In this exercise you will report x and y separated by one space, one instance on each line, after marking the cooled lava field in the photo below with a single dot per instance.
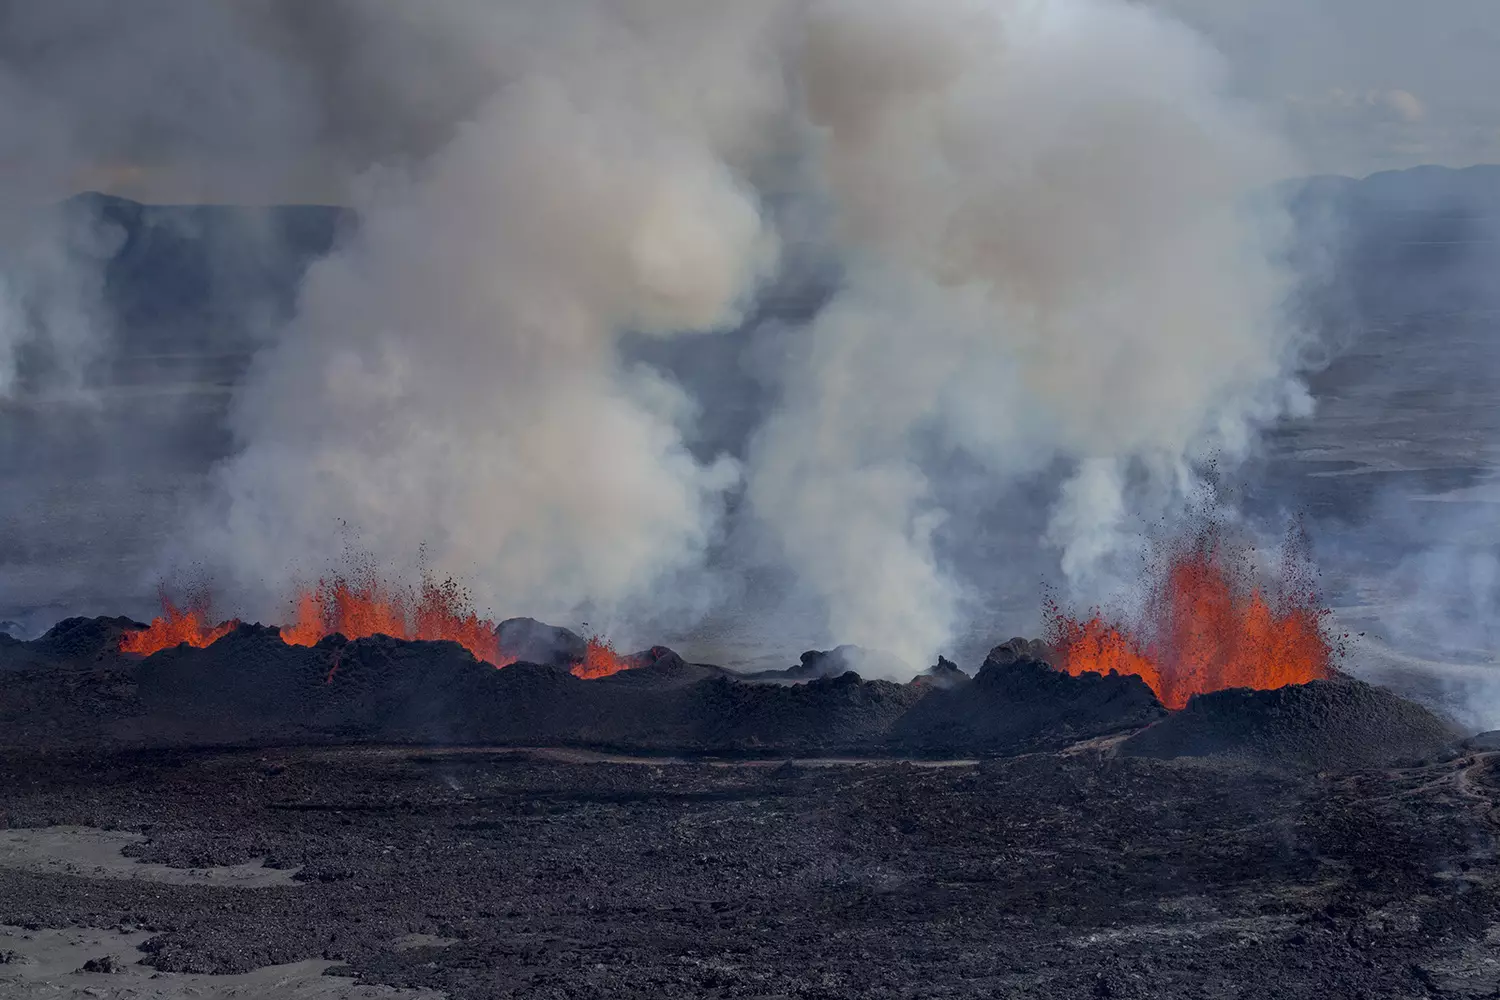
391 818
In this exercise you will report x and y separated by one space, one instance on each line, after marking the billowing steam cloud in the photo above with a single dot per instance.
1034 212
1038 212
452 381
1042 212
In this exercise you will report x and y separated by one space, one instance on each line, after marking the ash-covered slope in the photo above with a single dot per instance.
1329 725
829 713
73 642
68 686
1017 702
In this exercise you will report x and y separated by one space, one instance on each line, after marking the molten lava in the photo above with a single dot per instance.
1207 626
365 607
600 660
176 626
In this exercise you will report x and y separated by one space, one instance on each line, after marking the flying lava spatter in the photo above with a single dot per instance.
1208 624
189 624
365 606
600 660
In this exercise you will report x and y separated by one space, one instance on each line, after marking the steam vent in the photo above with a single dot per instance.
773 500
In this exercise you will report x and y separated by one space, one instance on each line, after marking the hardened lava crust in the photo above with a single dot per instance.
416 819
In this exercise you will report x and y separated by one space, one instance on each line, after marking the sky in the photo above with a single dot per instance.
290 101
1366 85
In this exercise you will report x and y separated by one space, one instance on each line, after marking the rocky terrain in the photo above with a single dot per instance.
486 874
391 818
73 688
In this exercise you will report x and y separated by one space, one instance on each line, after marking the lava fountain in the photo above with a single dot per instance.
1208 623
191 624
365 606
600 660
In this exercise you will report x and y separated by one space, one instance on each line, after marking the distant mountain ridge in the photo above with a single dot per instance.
1395 244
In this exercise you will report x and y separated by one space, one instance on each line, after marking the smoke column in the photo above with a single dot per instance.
451 383
1039 216
1042 208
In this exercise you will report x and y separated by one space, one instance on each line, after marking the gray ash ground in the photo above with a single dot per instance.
1080 874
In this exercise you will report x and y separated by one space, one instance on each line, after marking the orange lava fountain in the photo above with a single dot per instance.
176 626
600 660
1207 626
366 607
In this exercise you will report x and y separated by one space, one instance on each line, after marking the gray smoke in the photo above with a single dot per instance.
1040 275
1040 216
1050 255
451 385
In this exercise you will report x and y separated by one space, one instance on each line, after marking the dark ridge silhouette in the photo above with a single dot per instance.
1327 725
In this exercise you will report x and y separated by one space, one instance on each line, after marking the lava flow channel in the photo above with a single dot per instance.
1207 625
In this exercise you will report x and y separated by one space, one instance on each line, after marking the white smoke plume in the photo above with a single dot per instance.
1039 215
1043 212
451 382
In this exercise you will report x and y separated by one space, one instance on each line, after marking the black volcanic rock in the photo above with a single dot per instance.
1018 649
943 674
532 641
817 663
73 641
1486 742
829 713
1015 705
247 682
662 669
1331 725
15 654
69 686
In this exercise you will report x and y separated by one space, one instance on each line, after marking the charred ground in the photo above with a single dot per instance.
1055 875
1018 832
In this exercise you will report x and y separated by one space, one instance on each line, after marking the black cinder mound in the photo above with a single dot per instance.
67 687
71 642
944 674
15 654
660 668
830 713
1019 649
531 641
243 683
1016 705
1329 725
836 662
250 685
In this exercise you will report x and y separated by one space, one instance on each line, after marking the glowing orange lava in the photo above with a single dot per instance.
176 626
1207 625
600 660
366 607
